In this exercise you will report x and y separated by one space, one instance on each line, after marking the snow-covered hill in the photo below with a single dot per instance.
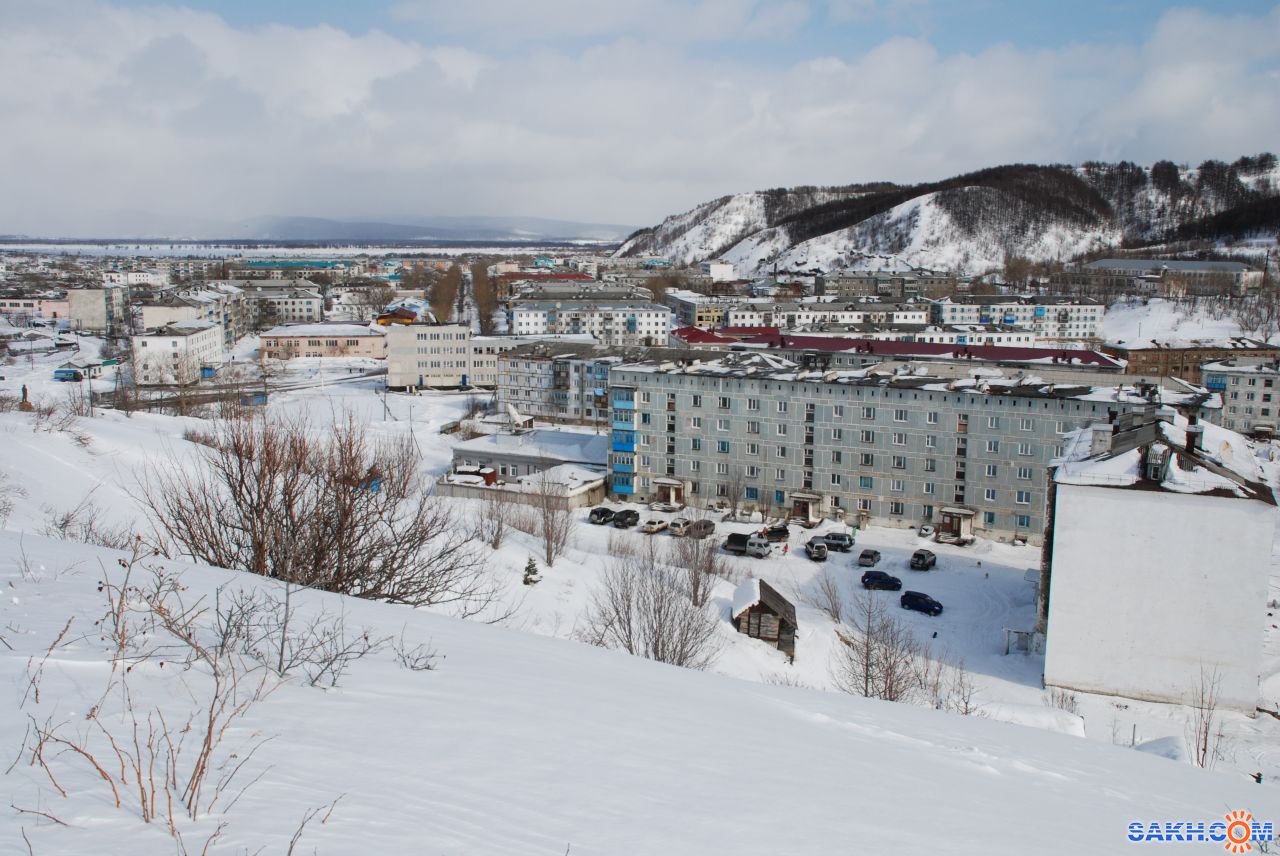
971 224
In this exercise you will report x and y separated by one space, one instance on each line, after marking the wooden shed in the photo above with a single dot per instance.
761 613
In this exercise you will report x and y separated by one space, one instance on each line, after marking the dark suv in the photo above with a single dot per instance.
841 541
600 515
923 560
880 580
921 602
777 533
869 558
626 518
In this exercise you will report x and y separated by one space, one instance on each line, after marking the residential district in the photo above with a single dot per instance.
965 410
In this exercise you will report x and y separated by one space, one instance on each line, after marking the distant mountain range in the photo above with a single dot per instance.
136 225
972 223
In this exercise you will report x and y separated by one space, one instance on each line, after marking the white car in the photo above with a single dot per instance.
680 526
652 526
664 506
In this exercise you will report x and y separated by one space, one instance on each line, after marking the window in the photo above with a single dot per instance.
753 448
897 485
868 413
753 404
989 494
724 402
899 438
988 518
646 419
780 474
866 483
931 441
929 488
781 429
1024 521
722 490
837 411
835 478
697 401
695 421
695 444
722 468
722 424
932 417
992 471
837 434
867 459
753 427
864 505
899 462
896 508
694 466
1024 448
753 471
837 457
993 445
722 446
782 407
899 416
780 451
1024 473
1024 497
993 422
868 436
930 465
645 398
1025 424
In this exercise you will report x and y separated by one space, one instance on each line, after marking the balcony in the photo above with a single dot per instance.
960 474
621 424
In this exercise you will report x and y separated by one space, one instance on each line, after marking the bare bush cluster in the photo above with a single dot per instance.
84 523
10 493
555 519
879 657
1205 735
648 606
335 511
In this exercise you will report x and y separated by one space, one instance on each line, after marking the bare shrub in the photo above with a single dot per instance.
1064 700
826 596
495 517
644 608
84 523
200 436
877 657
340 513
702 563
1205 734
10 493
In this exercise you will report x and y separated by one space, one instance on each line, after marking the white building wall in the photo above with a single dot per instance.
1148 586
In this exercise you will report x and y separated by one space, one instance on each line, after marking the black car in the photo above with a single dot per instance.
869 558
626 518
880 580
781 532
600 516
921 602
841 541
923 560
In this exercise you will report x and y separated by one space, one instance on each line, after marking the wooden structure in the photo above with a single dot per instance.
761 613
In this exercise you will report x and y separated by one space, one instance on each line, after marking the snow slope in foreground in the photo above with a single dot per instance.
520 744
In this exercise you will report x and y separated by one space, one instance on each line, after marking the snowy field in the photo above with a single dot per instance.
522 743
1140 320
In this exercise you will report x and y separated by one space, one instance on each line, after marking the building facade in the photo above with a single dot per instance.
104 311
324 340
177 353
1183 359
1250 390
609 322
888 448
1051 318
420 356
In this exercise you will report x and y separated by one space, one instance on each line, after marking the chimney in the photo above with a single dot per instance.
1195 438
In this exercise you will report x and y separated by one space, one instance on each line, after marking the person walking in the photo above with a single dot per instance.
785 549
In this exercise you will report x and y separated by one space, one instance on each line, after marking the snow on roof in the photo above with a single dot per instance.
297 330
552 444
746 596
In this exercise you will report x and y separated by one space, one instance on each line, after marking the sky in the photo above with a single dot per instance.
125 115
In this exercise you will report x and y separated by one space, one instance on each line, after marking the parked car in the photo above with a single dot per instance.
868 558
665 506
923 560
880 580
652 526
680 526
781 532
926 530
816 549
747 544
600 516
627 518
701 528
921 602
842 541
806 522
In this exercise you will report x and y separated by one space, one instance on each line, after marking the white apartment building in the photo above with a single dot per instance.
789 316
1250 390
622 322
135 277
1051 318
718 271
420 356
176 353
296 301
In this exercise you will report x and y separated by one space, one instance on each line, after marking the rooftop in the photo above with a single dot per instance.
564 447
935 350
1180 265
347 330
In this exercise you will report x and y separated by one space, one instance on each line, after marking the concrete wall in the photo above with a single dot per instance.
1147 586
589 494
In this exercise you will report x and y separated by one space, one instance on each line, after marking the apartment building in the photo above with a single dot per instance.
1173 277
1182 358
621 322
697 310
104 310
324 340
789 316
153 278
902 285
881 446
942 334
176 353
448 355
567 382
22 308
296 301
222 304
1250 390
1052 318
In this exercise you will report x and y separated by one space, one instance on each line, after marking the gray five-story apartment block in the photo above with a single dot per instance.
864 446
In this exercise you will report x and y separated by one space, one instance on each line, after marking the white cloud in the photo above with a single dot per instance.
171 110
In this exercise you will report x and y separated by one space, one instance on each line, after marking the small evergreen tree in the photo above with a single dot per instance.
531 572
